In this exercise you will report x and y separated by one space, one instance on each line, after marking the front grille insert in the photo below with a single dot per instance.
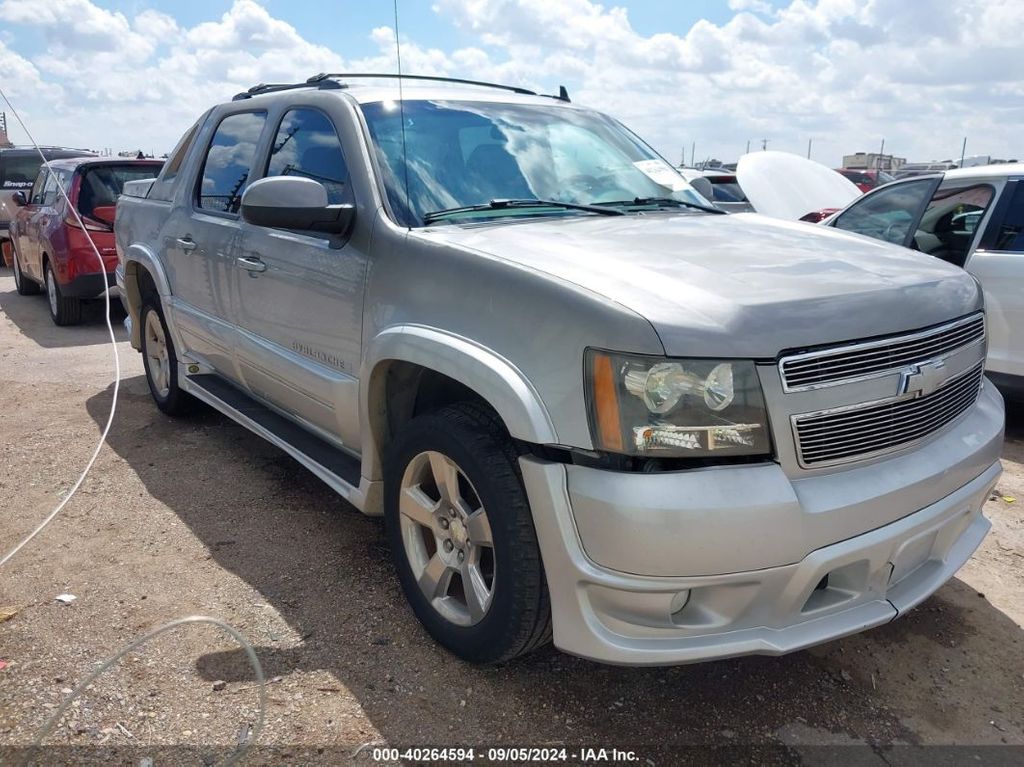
862 431
827 367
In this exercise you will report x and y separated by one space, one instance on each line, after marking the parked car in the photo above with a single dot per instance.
865 180
588 406
720 186
19 167
973 218
50 247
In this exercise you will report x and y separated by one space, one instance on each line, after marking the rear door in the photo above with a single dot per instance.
201 238
998 262
299 294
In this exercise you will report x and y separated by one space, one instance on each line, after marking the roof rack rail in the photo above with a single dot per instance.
329 81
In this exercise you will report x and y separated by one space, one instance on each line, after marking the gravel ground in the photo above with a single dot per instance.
201 517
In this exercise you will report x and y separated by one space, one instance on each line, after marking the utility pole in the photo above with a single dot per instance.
809 148
748 146
693 154
881 154
963 151
764 144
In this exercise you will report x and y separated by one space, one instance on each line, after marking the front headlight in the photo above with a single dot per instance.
657 407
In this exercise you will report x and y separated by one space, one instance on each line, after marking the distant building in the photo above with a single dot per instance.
873 161
5 143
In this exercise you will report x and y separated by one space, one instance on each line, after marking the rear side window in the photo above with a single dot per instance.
1011 230
18 171
163 187
307 145
229 161
101 185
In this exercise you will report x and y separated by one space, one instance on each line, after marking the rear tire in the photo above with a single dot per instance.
161 363
500 608
63 311
23 284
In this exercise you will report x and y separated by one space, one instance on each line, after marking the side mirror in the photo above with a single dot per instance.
104 213
19 199
294 202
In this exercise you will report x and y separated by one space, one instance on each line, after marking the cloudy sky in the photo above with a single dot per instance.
920 74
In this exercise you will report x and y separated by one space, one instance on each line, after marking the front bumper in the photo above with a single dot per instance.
839 587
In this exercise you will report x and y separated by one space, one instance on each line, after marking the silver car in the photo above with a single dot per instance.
587 405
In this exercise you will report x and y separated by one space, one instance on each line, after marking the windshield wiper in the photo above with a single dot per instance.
436 215
664 201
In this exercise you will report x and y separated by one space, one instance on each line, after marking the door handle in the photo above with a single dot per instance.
250 264
187 244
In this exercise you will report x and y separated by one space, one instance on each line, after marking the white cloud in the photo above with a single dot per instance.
845 73
754 6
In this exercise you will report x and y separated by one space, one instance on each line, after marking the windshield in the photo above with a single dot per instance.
469 153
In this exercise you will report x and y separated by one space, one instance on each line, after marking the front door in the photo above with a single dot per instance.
298 295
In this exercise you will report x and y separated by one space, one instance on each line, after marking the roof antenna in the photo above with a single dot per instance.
401 114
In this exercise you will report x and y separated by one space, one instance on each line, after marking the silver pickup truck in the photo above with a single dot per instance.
587 405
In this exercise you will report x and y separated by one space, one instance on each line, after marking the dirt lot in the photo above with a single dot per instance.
199 516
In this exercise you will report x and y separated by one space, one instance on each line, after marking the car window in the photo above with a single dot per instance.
162 187
439 155
1011 228
888 213
947 227
49 196
102 184
229 161
36 195
18 171
307 145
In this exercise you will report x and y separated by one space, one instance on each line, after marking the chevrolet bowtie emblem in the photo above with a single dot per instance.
921 380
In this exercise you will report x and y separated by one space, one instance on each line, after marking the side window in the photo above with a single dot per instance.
163 187
50 189
1011 229
36 196
889 213
307 145
229 161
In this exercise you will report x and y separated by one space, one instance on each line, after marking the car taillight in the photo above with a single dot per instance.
91 224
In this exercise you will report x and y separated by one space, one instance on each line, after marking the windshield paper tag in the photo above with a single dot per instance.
662 174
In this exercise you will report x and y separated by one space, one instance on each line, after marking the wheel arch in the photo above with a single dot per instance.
401 352
143 274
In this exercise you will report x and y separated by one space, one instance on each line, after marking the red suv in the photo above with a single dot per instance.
51 249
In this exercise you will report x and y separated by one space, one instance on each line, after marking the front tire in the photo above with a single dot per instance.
461 535
23 284
161 363
63 311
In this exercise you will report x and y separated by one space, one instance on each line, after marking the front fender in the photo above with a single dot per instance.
491 376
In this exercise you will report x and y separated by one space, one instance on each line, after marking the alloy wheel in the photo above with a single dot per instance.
159 366
447 538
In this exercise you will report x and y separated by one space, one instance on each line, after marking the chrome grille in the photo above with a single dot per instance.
861 431
827 367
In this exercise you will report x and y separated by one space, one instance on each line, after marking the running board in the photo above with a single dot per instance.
335 467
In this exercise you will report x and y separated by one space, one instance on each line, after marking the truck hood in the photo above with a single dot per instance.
740 285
